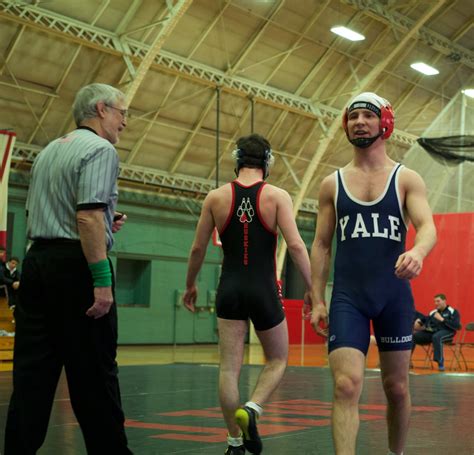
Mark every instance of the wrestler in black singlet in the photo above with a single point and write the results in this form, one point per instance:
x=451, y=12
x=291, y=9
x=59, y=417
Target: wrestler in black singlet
x=248, y=286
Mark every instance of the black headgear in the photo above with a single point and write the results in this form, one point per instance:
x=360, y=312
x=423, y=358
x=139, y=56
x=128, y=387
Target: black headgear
x=244, y=160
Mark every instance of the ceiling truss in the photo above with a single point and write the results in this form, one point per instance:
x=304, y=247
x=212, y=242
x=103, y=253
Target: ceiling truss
x=26, y=153
x=97, y=38
x=433, y=39
x=139, y=58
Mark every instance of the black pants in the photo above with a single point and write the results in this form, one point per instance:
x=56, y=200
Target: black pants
x=437, y=338
x=12, y=296
x=52, y=331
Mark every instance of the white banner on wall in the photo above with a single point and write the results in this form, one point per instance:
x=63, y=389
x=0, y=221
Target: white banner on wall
x=7, y=141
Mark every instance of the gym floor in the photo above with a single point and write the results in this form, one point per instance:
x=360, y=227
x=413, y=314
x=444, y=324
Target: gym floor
x=170, y=400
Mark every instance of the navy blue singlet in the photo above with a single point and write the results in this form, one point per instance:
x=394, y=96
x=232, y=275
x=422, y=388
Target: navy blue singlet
x=248, y=287
x=370, y=238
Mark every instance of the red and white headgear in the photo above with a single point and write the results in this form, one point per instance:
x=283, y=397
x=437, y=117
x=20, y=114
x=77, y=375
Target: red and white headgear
x=380, y=106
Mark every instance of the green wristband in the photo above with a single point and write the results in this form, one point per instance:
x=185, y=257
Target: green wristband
x=101, y=274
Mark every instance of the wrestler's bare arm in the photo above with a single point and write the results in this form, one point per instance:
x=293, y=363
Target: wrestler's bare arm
x=410, y=263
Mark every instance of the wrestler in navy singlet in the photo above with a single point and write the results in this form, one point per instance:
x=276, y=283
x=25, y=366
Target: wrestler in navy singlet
x=370, y=238
x=248, y=287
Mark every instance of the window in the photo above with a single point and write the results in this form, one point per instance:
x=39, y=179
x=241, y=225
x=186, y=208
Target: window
x=133, y=282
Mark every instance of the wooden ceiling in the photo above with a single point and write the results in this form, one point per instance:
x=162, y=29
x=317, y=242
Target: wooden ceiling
x=273, y=67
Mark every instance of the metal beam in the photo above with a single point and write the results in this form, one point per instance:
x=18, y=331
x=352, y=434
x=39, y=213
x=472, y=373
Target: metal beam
x=99, y=11
x=28, y=89
x=294, y=158
x=208, y=30
x=291, y=171
x=168, y=26
x=260, y=31
x=69, y=123
x=234, y=67
x=205, y=133
x=374, y=73
x=435, y=195
x=420, y=111
x=145, y=27
x=290, y=133
x=295, y=45
x=231, y=142
x=427, y=36
x=50, y=101
x=321, y=63
x=308, y=176
x=107, y=41
x=374, y=48
x=26, y=153
x=335, y=127
x=196, y=128
x=11, y=47
x=129, y=15
x=463, y=30
x=133, y=153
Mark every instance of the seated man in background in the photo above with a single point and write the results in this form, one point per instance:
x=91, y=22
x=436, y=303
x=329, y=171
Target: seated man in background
x=438, y=327
x=3, y=287
x=10, y=277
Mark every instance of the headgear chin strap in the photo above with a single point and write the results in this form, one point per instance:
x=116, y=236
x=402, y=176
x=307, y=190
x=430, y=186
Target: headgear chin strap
x=364, y=142
x=381, y=107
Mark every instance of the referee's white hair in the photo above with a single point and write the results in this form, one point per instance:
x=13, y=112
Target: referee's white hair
x=87, y=97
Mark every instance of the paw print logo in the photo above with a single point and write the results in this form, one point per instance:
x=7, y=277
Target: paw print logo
x=245, y=212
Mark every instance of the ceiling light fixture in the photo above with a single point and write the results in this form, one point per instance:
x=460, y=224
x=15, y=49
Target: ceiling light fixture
x=469, y=92
x=347, y=33
x=424, y=68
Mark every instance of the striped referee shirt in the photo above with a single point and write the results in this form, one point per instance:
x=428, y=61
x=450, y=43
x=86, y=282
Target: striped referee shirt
x=75, y=172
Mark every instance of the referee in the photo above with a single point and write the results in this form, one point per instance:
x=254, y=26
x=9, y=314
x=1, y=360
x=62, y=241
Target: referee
x=66, y=314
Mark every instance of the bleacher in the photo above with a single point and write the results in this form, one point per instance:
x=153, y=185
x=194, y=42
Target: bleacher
x=6, y=342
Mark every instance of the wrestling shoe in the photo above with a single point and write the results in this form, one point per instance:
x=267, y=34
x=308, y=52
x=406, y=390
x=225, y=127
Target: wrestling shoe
x=231, y=450
x=441, y=366
x=246, y=419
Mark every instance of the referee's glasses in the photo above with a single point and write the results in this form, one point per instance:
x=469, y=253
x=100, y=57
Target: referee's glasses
x=123, y=112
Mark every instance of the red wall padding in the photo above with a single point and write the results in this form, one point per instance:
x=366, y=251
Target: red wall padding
x=449, y=269
x=293, y=310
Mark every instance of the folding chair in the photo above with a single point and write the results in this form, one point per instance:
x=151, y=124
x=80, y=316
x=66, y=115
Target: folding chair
x=453, y=346
x=449, y=343
x=465, y=344
x=428, y=353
